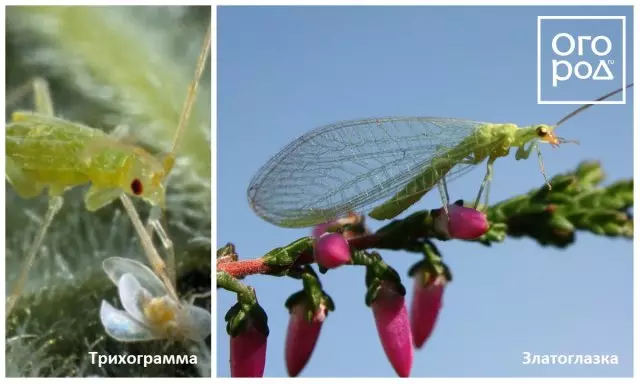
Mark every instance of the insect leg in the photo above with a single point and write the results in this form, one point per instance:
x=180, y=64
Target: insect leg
x=486, y=197
x=156, y=262
x=42, y=95
x=485, y=181
x=55, y=204
x=523, y=153
x=154, y=225
x=546, y=180
x=444, y=195
x=446, y=190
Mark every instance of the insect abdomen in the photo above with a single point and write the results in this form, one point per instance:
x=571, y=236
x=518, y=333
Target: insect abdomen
x=53, y=154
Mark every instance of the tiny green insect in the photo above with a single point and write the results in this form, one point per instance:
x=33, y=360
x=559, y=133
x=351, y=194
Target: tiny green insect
x=47, y=152
x=353, y=165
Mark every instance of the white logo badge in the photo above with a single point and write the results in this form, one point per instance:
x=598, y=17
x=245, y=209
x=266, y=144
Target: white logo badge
x=580, y=51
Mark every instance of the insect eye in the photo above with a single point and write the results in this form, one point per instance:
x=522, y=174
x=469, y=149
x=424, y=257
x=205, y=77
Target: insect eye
x=136, y=187
x=541, y=131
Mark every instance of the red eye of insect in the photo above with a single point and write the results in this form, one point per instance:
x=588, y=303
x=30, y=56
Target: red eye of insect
x=136, y=187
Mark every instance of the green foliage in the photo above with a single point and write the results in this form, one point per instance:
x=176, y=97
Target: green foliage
x=106, y=66
x=576, y=202
x=550, y=217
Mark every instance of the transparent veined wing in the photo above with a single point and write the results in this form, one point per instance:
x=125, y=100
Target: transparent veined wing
x=351, y=165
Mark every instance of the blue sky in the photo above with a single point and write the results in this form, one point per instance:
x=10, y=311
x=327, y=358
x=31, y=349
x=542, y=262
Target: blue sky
x=284, y=70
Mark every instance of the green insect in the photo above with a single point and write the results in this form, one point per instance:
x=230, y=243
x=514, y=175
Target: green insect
x=44, y=151
x=354, y=165
x=47, y=152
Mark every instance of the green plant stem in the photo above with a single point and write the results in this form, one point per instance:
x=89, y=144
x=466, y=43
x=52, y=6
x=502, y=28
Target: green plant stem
x=550, y=217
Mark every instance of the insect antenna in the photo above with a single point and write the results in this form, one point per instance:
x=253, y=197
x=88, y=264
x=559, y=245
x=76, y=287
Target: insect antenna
x=189, y=101
x=582, y=108
x=154, y=223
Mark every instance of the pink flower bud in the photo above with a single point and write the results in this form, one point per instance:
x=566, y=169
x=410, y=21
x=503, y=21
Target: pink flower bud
x=392, y=322
x=464, y=223
x=332, y=250
x=425, y=307
x=302, y=336
x=248, y=353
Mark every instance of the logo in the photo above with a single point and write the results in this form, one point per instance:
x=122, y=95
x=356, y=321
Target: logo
x=581, y=56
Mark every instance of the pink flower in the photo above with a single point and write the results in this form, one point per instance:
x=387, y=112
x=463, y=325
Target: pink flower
x=464, y=223
x=302, y=336
x=248, y=353
x=332, y=250
x=425, y=307
x=392, y=322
